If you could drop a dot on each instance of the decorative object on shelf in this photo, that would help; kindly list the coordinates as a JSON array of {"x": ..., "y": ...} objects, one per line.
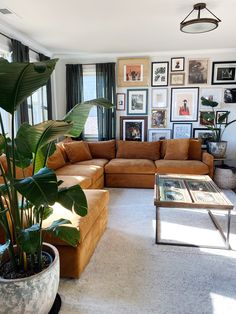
[
  {"x": 215, "y": 94},
  {"x": 160, "y": 134},
  {"x": 200, "y": 24},
  {"x": 223, "y": 72},
  {"x": 220, "y": 113},
  {"x": 133, "y": 72},
  {"x": 184, "y": 104},
  {"x": 230, "y": 95},
  {"x": 137, "y": 100},
  {"x": 225, "y": 177},
  {"x": 133, "y": 128},
  {"x": 216, "y": 147},
  {"x": 160, "y": 72},
  {"x": 182, "y": 130},
  {"x": 177, "y": 64},
  {"x": 204, "y": 135},
  {"x": 158, "y": 118},
  {"x": 203, "y": 121},
  {"x": 197, "y": 71},
  {"x": 159, "y": 97},
  {"x": 120, "y": 101},
  {"x": 177, "y": 79}
]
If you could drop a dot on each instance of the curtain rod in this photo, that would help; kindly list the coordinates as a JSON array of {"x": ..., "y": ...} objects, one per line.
[{"x": 13, "y": 38}]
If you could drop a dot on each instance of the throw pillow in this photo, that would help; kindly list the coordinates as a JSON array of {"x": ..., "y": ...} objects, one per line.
[
  {"x": 103, "y": 149},
  {"x": 177, "y": 149},
  {"x": 56, "y": 160},
  {"x": 138, "y": 150},
  {"x": 195, "y": 149},
  {"x": 77, "y": 151}
]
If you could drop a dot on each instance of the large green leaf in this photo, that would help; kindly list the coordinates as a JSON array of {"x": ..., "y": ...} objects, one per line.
[
  {"x": 29, "y": 239},
  {"x": 19, "y": 80},
  {"x": 73, "y": 198},
  {"x": 41, "y": 189},
  {"x": 70, "y": 235},
  {"x": 209, "y": 103},
  {"x": 79, "y": 114}
]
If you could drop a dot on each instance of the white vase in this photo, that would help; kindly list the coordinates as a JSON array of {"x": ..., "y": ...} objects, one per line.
[{"x": 34, "y": 294}]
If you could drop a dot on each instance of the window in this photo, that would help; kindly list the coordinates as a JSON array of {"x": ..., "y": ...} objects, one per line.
[{"x": 89, "y": 86}]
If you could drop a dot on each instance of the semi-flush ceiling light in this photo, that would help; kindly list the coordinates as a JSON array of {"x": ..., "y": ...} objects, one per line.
[{"x": 199, "y": 25}]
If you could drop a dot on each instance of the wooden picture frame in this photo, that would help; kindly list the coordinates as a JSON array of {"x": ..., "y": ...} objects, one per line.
[
  {"x": 120, "y": 101},
  {"x": 133, "y": 72},
  {"x": 137, "y": 101},
  {"x": 223, "y": 72},
  {"x": 158, "y": 118},
  {"x": 160, "y": 73},
  {"x": 177, "y": 79},
  {"x": 133, "y": 128}
]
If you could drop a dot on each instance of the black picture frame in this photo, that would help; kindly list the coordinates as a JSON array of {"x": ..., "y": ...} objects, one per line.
[
  {"x": 205, "y": 138},
  {"x": 218, "y": 113},
  {"x": 230, "y": 95},
  {"x": 164, "y": 76},
  {"x": 181, "y": 60},
  {"x": 223, "y": 73}
]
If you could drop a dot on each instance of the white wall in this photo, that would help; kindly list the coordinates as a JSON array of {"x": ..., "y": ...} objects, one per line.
[{"x": 229, "y": 135}]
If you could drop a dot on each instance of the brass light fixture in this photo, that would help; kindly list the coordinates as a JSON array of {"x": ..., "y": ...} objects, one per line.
[{"x": 199, "y": 25}]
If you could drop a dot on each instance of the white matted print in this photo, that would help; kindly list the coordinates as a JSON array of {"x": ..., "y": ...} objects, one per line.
[
  {"x": 159, "y": 97},
  {"x": 120, "y": 101},
  {"x": 160, "y": 72},
  {"x": 160, "y": 134},
  {"x": 182, "y": 130},
  {"x": 198, "y": 71},
  {"x": 137, "y": 101},
  {"x": 214, "y": 94},
  {"x": 177, "y": 64},
  {"x": 184, "y": 104}
]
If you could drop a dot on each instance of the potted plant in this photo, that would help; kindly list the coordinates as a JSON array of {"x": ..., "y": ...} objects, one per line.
[
  {"x": 29, "y": 269},
  {"x": 216, "y": 146}
]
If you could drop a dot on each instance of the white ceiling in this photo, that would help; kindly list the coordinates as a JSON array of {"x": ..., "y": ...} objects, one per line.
[{"x": 117, "y": 26}]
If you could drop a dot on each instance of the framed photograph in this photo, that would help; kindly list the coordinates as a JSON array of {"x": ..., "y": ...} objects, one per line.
[
  {"x": 159, "y": 97},
  {"x": 209, "y": 120},
  {"x": 230, "y": 95},
  {"x": 184, "y": 104},
  {"x": 160, "y": 72},
  {"x": 158, "y": 118},
  {"x": 157, "y": 135},
  {"x": 137, "y": 100},
  {"x": 197, "y": 71},
  {"x": 133, "y": 72},
  {"x": 177, "y": 64},
  {"x": 219, "y": 113},
  {"x": 182, "y": 130},
  {"x": 204, "y": 135},
  {"x": 215, "y": 94},
  {"x": 177, "y": 78},
  {"x": 133, "y": 128},
  {"x": 223, "y": 72},
  {"x": 120, "y": 101}
]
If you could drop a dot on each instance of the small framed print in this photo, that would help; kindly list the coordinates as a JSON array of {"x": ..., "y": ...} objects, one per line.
[
  {"x": 177, "y": 64},
  {"x": 137, "y": 101},
  {"x": 177, "y": 78},
  {"x": 197, "y": 71},
  {"x": 120, "y": 101},
  {"x": 204, "y": 135},
  {"x": 230, "y": 95},
  {"x": 220, "y": 113},
  {"x": 133, "y": 72},
  {"x": 158, "y": 118},
  {"x": 223, "y": 73},
  {"x": 207, "y": 117},
  {"x": 160, "y": 72},
  {"x": 214, "y": 94},
  {"x": 184, "y": 104},
  {"x": 182, "y": 130},
  {"x": 159, "y": 97},
  {"x": 158, "y": 135},
  {"x": 133, "y": 128}
]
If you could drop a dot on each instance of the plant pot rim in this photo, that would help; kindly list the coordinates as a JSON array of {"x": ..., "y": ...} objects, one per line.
[{"x": 56, "y": 257}]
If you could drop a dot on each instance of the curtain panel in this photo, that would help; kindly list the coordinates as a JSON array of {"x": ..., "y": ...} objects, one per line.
[
  {"x": 74, "y": 85},
  {"x": 106, "y": 88}
]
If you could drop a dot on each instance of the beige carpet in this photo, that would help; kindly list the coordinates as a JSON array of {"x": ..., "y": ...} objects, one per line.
[{"x": 130, "y": 274}]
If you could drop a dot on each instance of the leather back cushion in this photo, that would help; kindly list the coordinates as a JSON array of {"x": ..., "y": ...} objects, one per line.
[
  {"x": 103, "y": 149},
  {"x": 138, "y": 150},
  {"x": 56, "y": 160},
  {"x": 177, "y": 149},
  {"x": 194, "y": 151},
  {"x": 77, "y": 151}
]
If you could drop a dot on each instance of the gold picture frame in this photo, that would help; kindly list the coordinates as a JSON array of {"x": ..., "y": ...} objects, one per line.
[{"x": 133, "y": 72}]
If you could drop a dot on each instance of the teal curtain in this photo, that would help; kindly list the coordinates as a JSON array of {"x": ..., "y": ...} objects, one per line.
[{"x": 106, "y": 88}]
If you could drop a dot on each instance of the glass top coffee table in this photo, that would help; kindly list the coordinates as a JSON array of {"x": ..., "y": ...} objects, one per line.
[{"x": 192, "y": 192}]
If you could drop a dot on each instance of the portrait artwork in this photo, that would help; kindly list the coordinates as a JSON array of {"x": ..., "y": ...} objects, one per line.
[{"x": 198, "y": 71}]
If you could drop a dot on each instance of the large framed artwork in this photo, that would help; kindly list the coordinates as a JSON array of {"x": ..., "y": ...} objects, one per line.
[
  {"x": 137, "y": 100},
  {"x": 182, "y": 130},
  {"x": 223, "y": 72},
  {"x": 133, "y": 72},
  {"x": 158, "y": 118},
  {"x": 133, "y": 128},
  {"x": 159, "y": 98},
  {"x": 184, "y": 104},
  {"x": 160, "y": 134},
  {"x": 177, "y": 64},
  {"x": 197, "y": 71},
  {"x": 160, "y": 72}
]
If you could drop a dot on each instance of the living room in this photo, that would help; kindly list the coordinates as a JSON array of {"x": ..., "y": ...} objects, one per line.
[{"x": 126, "y": 270}]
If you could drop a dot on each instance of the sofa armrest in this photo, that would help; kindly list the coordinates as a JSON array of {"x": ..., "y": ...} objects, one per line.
[{"x": 208, "y": 159}]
